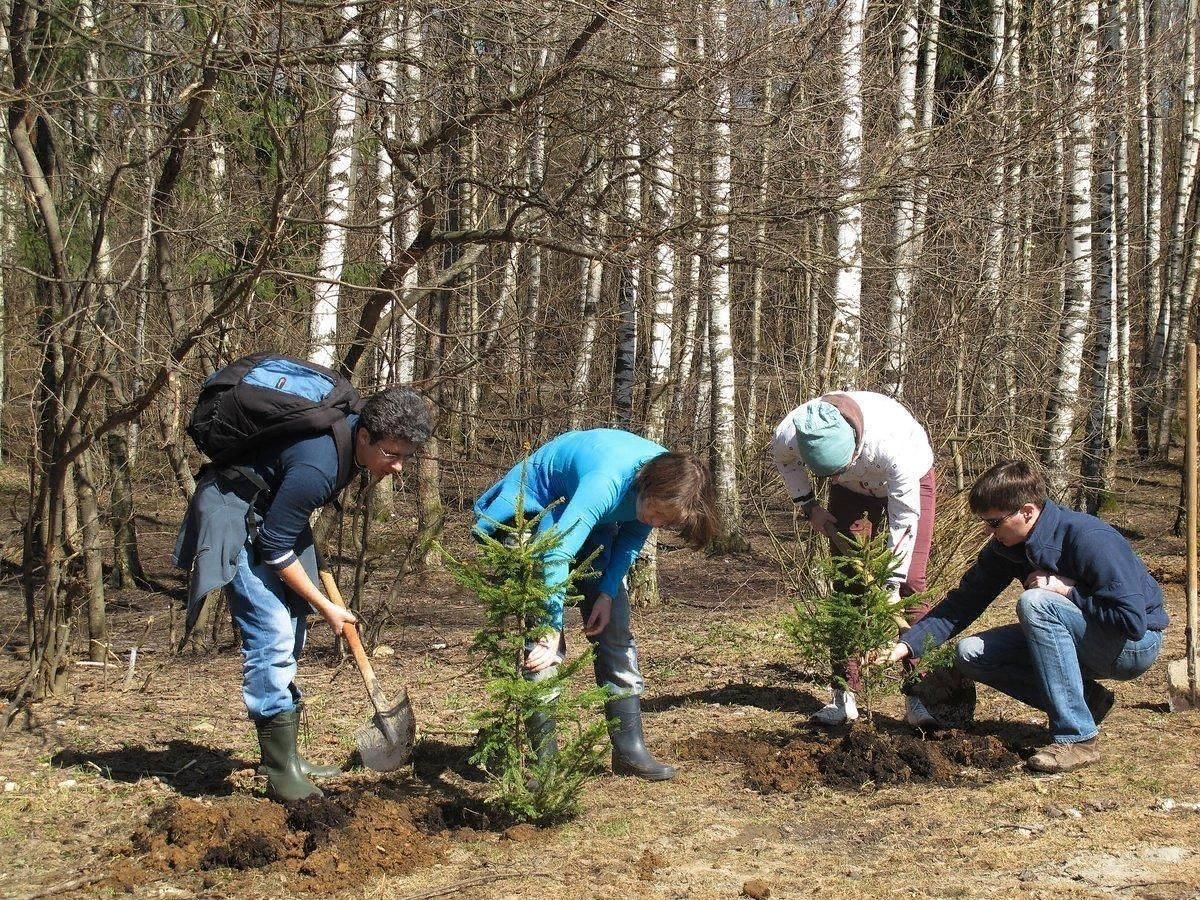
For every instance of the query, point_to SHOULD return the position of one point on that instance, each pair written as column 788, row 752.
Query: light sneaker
column 838, row 711
column 916, row 715
column 1066, row 757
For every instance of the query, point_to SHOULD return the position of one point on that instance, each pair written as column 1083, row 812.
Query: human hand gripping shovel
column 1182, row 673
column 386, row 743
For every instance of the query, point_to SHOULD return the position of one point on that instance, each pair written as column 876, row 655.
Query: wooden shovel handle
column 350, row 633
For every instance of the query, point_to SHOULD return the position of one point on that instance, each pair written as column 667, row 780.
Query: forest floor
column 145, row 786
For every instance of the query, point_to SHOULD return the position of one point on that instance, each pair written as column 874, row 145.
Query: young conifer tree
column 508, row 580
column 857, row 618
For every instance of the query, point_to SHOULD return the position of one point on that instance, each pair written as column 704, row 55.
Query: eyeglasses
column 394, row 457
column 996, row 523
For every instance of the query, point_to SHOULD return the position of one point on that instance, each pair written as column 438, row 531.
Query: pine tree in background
column 507, row 578
column 857, row 618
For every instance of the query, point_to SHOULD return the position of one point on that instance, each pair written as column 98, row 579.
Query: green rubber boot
column 310, row 769
column 280, row 761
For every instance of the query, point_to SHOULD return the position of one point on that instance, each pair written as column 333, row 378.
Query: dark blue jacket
column 1112, row 585
column 301, row 476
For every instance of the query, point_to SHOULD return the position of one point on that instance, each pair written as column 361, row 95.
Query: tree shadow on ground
column 432, row 760
column 1161, row 707
column 188, row 768
column 779, row 699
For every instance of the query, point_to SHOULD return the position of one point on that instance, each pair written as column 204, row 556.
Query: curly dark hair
column 398, row 412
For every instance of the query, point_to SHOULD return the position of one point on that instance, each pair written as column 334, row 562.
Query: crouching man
column 1090, row 610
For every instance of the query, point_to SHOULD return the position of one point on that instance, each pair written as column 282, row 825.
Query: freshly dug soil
column 327, row 844
column 788, row 762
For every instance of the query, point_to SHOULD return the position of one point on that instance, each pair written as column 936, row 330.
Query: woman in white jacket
column 879, row 464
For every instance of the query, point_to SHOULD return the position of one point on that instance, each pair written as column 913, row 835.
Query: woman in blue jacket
column 616, row 488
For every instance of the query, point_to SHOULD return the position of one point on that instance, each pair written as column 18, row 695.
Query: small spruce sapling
column 858, row 618
column 508, row 580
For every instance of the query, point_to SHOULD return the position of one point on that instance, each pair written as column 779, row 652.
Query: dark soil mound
column 328, row 843
column 788, row 762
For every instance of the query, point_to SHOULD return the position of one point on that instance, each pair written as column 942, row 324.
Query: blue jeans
column 272, row 621
column 1052, row 658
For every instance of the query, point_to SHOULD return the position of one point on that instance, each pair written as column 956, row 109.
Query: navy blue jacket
column 1112, row 585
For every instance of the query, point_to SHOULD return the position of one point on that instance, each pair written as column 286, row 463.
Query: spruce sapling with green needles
column 508, row 580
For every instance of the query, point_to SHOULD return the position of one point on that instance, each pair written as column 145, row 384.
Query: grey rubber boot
column 280, row 761
column 540, row 728
column 629, row 754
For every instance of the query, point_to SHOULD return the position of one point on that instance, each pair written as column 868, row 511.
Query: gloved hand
column 894, row 598
column 544, row 652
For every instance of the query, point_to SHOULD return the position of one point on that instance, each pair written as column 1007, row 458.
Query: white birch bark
column 1177, row 297
column 591, row 280
column 630, row 283
column 1104, row 298
column 688, row 339
column 766, row 151
column 929, row 56
column 993, row 242
column 404, row 349
column 1121, row 428
column 903, row 209
column 1078, row 288
column 1150, row 127
column 719, row 334
column 847, row 290
column 1015, row 207
column 387, row 87
column 331, row 257
column 535, row 174
column 662, row 213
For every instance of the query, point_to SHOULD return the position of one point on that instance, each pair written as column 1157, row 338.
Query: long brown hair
column 683, row 483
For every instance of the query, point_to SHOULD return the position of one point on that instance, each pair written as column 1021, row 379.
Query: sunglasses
column 997, row 522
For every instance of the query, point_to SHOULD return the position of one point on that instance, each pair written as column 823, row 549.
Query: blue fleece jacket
column 593, row 472
column 1112, row 585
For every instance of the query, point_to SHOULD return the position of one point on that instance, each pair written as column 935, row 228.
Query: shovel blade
column 1178, row 687
column 386, row 743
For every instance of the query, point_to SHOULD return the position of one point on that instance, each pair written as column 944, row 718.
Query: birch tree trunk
column 1095, row 446
column 903, row 211
column 1078, row 289
column 719, row 335
column 335, row 216
column 630, row 281
column 758, row 284
column 404, row 349
column 662, row 217
column 847, row 290
column 591, row 279
column 1177, row 297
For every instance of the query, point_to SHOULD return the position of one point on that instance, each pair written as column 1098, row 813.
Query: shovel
column 386, row 743
column 1181, row 673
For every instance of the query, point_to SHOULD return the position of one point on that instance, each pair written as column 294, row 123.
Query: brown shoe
column 1066, row 757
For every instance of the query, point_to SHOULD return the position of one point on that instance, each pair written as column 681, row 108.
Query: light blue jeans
column 1052, row 658
column 273, row 624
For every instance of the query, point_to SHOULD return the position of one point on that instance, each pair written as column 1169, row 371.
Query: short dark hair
column 398, row 412
column 683, row 483
column 1007, row 486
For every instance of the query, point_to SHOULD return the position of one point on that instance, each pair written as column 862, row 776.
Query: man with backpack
column 285, row 437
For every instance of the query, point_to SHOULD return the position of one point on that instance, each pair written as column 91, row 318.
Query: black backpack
column 264, row 397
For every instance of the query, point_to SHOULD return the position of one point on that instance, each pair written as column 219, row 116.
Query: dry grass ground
column 88, row 770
